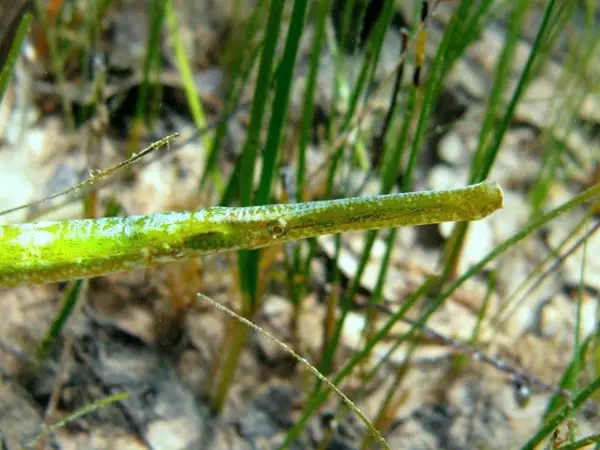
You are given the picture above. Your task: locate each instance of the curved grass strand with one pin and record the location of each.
(85, 410)
(374, 432)
(97, 176)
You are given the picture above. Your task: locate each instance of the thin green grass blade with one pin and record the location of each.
(391, 168)
(248, 269)
(239, 76)
(367, 72)
(357, 155)
(9, 24)
(276, 124)
(338, 58)
(461, 360)
(388, 180)
(280, 102)
(250, 261)
(487, 157)
(367, 68)
(570, 379)
(250, 151)
(536, 57)
(15, 48)
(581, 443)
(547, 266)
(56, 59)
(581, 55)
(376, 41)
(446, 55)
(461, 31)
(69, 302)
(185, 70)
(88, 409)
(433, 87)
(562, 415)
(501, 78)
(321, 14)
(152, 59)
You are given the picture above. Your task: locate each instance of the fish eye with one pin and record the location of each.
(521, 392)
(277, 228)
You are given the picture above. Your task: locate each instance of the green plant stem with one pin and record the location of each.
(67, 307)
(237, 341)
(7, 69)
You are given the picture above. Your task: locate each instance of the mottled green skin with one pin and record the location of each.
(54, 251)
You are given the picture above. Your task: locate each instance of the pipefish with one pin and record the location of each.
(50, 251)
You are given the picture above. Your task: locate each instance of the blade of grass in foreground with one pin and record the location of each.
(7, 66)
(85, 410)
(45, 252)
